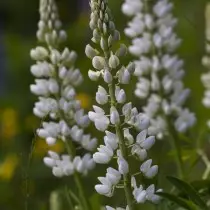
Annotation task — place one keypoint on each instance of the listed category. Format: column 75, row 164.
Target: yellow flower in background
column 85, row 100
column 41, row 148
column 9, row 128
column 8, row 166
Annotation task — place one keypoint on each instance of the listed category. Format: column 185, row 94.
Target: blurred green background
column 18, row 23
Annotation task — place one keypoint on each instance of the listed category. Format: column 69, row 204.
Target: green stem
column 82, row 195
column 123, row 149
column 176, row 145
column 206, row 162
column 68, row 198
column 77, row 179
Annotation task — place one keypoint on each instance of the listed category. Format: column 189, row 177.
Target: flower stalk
column 56, row 80
column 123, row 119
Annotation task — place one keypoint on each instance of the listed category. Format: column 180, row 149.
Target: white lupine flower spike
column 121, row 120
column 56, row 79
column 205, row 77
column 159, row 70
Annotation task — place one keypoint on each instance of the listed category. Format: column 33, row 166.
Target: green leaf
column 201, row 184
column 189, row 190
column 179, row 201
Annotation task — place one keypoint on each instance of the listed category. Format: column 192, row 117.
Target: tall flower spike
column 158, row 68
column 121, row 119
column 56, row 79
column 206, row 62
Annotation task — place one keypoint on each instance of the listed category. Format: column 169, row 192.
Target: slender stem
column 176, row 145
column 206, row 162
column 77, row 178
column 122, row 146
column 72, row 152
column 82, row 195
column 68, row 198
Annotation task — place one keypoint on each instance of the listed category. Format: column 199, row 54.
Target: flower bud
column 131, row 68
column 53, row 86
column 62, row 36
column 96, row 35
column 101, row 96
column 107, row 76
column 120, row 95
column 94, row 76
column 114, row 116
column 98, row 62
column 114, row 62
column 90, row 52
column 50, row 141
column 55, row 57
column 39, row 53
column 122, row 51
column 123, row 166
column 103, row 44
column 124, row 76
column 72, row 57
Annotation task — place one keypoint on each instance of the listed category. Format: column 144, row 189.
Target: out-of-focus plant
column 63, row 119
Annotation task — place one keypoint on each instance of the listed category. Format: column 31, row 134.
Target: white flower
column 122, row 164
column 145, row 143
column 185, row 120
column 140, row 194
column 151, row 196
column 104, row 154
column 99, row 118
column 124, row 76
column 111, row 140
column 107, row 187
column 94, row 76
column 55, row 80
column 101, row 95
column 148, row 170
column 114, row 116
column 152, row 32
column 120, row 95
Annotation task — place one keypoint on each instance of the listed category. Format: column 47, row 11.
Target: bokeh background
column 23, row 177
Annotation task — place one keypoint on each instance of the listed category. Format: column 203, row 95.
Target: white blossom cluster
column 122, row 121
column 66, row 166
column 56, row 79
column 205, row 78
column 158, row 68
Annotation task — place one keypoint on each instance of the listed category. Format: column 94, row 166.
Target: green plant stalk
column 176, row 145
column 173, row 134
column 68, row 197
column 122, row 146
column 71, row 150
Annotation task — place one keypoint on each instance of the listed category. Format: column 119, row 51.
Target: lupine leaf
column 179, row 201
column 189, row 190
column 201, row 184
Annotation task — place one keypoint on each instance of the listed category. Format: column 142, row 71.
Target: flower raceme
column 159, row 70
column 114, row 116
column 55, row 83
column 205, row 78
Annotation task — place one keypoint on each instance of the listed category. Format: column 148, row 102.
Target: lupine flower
column 56, row 79
column 205, row 78
column 142, row 195
column 122, row 119
column 158, row 68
